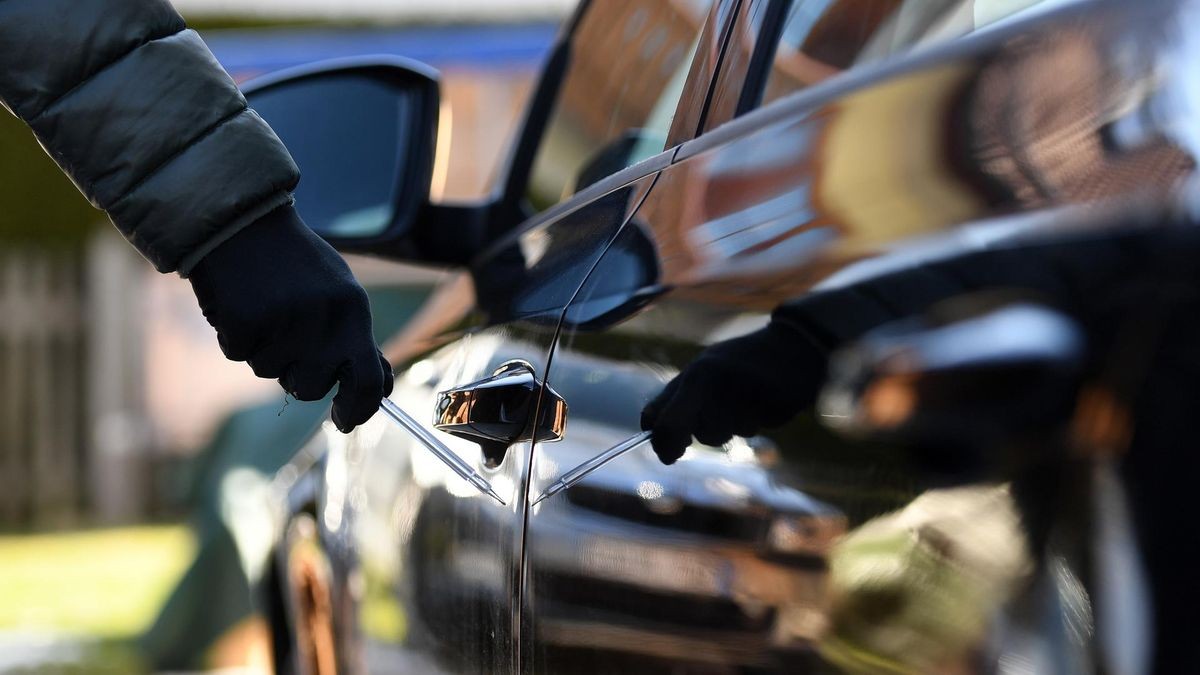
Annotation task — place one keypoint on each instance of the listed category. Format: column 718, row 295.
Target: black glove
column 736, row 387
column 283, row 300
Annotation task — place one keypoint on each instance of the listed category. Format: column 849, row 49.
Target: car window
column 821, row 38
column 627, row 68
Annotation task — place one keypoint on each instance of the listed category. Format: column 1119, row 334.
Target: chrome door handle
column 496, row 411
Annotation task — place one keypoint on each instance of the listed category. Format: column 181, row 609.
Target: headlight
column 804, row 535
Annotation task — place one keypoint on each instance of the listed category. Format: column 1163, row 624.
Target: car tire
column 309, row 581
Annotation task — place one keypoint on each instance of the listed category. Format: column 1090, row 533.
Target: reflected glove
column 736, row 387
column 283, row 300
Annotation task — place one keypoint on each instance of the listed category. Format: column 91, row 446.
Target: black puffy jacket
column 135, row 109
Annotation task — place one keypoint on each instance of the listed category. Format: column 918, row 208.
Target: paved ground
column 390, row 659
column 21, row 651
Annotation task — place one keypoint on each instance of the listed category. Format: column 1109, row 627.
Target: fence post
column 13, row 402
column 119, row 439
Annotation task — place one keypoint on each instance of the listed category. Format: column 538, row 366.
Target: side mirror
column 364, row 134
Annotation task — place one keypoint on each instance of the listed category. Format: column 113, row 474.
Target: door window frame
column 508, row 214
column 737, row 85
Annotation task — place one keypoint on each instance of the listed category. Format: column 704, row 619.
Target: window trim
column 726, row 35
column 755, row 83
column 735, row 75
column 610, row 183
column 686, row 124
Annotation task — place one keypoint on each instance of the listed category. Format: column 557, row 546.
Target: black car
column 686, row 170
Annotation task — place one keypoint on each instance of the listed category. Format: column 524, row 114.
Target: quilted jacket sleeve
column 135, row 109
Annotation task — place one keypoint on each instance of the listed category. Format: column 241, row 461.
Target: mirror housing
column 364, row 133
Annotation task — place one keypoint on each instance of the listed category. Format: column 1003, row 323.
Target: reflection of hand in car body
column 765, row 378
column 136, row 110
column 736, row 388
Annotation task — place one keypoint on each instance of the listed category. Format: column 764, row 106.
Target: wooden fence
column 74, row 446
column 42, row 388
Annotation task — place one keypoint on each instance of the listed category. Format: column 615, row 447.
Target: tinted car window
column 624, row 77
column 821, row 38
column 350, row 168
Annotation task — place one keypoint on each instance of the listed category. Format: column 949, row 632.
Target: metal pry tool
column 448, row 456
column 578, row 473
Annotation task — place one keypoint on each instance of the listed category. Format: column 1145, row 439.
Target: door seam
column 518, row 629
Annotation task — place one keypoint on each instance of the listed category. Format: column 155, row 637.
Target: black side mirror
column 364, row 133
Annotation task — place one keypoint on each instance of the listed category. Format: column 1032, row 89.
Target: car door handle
column 496, row 411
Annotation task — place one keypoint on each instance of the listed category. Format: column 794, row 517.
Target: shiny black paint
column 725, row 561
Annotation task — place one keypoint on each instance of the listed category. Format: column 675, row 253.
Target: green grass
column 100, row 584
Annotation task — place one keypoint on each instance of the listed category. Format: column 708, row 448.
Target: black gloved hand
column 736, row 387
column 283, row 300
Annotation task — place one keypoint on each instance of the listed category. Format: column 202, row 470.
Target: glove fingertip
column 654, row 409
column 389, row 376
column 336, row 417
column 669, row 446
column 649, row 416
column 361, row 386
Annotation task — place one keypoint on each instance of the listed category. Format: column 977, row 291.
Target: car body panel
column 833, row 185
column 423, row 546
column 720, row 562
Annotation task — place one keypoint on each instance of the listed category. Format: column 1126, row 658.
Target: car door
column 664, row 68
column 817, row 180
column 436, row 551
column 439, row 562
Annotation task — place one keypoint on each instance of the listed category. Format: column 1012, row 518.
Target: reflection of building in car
column 642, row 558
column 631, row 54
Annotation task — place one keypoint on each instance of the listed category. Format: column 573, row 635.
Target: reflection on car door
column 452, row 555
column 438, row 558
column 440, row 561
column 713, row 563
column 721, row 561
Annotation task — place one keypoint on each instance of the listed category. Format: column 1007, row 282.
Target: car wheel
column 309, row 582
